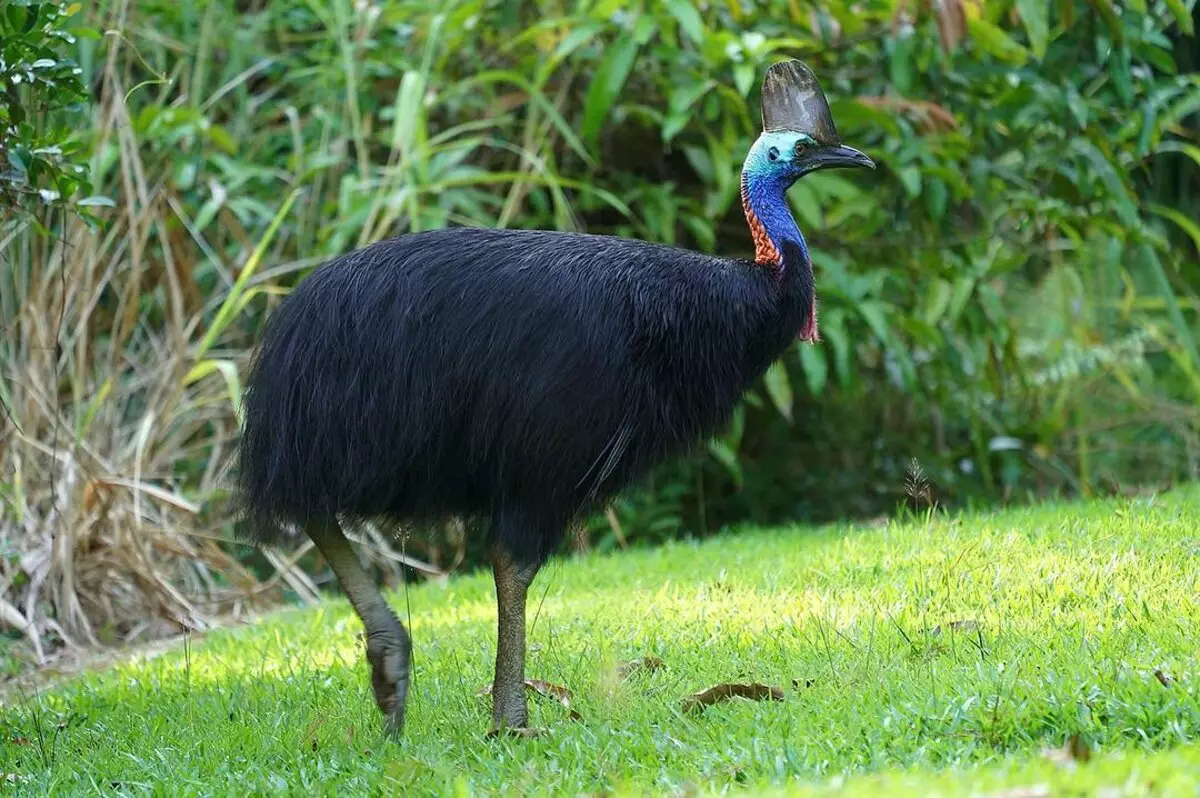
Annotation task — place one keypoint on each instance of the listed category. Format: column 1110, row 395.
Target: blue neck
column 765, row 195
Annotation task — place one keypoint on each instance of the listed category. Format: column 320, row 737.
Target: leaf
column 727, row 458
column 1074, row 750
column 625, row 670
column 936, row 303
column 228, row 369
column 1111, row 19
column 1182, row 16
column 1186, row 223
column 606, row 85
column 833, row 330
column 743, row 78
column 816, row 368
column 1035, row 15
column 779, row 388
column 546, row 689
column 996, row 42
column 225, row 313
column 725, row 692
column 1126, row 205
column 689, row 20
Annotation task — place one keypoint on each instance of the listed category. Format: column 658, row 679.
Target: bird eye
column 773, row 153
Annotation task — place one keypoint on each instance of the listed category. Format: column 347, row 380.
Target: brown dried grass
column 121, row 419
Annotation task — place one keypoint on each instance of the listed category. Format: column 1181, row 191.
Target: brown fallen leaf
column 1163, row 678
column 724, row 692
column 1075, row 749
column 543, row 688
column 647, row 663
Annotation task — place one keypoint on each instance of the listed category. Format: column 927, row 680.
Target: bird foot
column 527, row 732
column 389, row 679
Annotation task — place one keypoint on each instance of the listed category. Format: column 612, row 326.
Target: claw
column 389, row 679
column 527, row 732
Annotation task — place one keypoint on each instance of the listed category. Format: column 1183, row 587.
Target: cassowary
column 518, row 377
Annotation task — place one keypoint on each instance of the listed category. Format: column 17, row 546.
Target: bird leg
column 509, row 710
column 388, row 644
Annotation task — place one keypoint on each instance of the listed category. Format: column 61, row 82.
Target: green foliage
column 44, row 155
column 928, row 657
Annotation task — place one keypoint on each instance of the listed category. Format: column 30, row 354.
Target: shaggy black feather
column 492, row 373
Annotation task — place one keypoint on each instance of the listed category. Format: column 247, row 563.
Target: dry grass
column 122, row 414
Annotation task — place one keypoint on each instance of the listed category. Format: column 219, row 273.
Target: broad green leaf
column 1035, row 15
column 936, row 302
column 743, row 77
column 816, row 367
column 779, row 388
column 606, row 86
column 996, row 42
column 689, row 20
column 833, row 330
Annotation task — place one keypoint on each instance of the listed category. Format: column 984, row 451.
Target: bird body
column 518, row 376
column 457, row 371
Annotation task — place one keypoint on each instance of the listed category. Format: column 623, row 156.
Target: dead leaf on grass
column 543, row 688
column 1163, row 678
column 1075, row 749
column 645, row 663
column 724, row 692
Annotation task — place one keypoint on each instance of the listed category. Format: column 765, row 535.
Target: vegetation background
column 1009, row 304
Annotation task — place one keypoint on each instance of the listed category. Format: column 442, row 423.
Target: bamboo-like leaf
column 228, row 370
column 607, row 82
column 1183, row 16
column 1185, row 333
column 1125, row 202
column 1185, row 223
column 225, row 312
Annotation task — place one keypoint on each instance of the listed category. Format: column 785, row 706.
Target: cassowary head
column 798, row 132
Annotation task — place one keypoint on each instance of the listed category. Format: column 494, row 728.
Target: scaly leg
column 388, row 643
column 509, row 710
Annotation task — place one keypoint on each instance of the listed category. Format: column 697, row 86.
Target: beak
column 834, row 158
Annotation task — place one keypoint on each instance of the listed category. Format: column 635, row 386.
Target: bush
column 1008, row 305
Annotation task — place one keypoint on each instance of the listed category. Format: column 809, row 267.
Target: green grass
column 1076, row 607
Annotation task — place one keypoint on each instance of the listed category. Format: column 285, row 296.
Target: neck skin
column 764, row 199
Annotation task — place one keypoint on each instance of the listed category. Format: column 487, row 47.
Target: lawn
column 946, row 654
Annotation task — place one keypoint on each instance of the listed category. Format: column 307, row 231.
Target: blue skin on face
column 770, row 169
column 773, row 157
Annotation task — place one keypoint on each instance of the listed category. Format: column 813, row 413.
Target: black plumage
column 519, row 377
column 464, row 371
